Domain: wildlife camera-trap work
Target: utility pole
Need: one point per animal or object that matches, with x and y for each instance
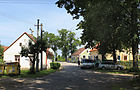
(37, 28)
(37, 62)
(41, 47)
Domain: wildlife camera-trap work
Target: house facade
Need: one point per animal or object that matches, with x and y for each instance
(80, 54)
(121, 56)
(12, 53)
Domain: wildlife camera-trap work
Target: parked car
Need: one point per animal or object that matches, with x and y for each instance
(110, 65)
(87, 63)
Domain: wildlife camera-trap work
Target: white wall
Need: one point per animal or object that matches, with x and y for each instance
(15, 49)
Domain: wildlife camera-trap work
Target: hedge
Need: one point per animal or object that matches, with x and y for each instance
(127, 64)
(55, 65)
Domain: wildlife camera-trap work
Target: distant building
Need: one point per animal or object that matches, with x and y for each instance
(12, 53)
(121, 56)
(79, 54)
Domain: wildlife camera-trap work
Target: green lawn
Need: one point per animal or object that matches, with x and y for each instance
(25, 74)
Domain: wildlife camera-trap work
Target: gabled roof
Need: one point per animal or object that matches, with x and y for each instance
(94, 49)
(48, 52)
(79, 51)
(19, 38)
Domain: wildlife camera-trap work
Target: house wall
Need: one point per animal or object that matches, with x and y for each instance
(123, 56)
(85, 53)
(9, 54)
(95, 53)
(15, 49)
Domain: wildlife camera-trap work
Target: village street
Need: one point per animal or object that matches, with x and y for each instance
(70, 78)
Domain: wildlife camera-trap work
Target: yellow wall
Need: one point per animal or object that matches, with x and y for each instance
(94, 54)
(108, 56)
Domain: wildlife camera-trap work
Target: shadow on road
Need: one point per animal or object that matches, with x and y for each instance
(70, 78)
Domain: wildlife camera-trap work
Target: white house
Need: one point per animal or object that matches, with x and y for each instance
(12, 53)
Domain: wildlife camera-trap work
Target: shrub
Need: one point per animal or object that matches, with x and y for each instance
(55, 65)
(1, 61)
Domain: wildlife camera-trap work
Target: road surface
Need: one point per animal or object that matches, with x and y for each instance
(70, 78)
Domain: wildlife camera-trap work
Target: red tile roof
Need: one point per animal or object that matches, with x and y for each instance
(5, 47)
(94, 49)
(19, 38)
(79, 51)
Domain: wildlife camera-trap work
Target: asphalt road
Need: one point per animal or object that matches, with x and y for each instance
(70, 78)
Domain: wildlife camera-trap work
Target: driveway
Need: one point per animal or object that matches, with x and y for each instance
(70, 78)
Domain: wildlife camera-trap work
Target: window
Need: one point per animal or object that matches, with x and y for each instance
(20, 44)
(84, 56)
(17, 58)
(119, 58)
(125, 57)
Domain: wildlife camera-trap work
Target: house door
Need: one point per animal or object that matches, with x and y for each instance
(17, 58)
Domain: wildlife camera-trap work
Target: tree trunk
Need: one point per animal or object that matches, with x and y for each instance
(114, 56)
(32, 70)
(135, 35)
(37, 63)
(135, 57)
(103, 57)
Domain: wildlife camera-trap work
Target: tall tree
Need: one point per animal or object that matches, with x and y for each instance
(63, 44)
(73, 42)
(111, 18)
(67, 42)
(51, 41)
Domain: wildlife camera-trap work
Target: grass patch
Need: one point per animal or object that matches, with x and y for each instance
(126, 71)
(26, 74)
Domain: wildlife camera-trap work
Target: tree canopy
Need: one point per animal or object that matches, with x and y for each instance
(113, 24)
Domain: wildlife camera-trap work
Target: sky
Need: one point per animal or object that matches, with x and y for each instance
(17, 16)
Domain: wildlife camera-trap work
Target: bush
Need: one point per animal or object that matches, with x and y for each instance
(55, 65)
(1, 61)
(127, 64)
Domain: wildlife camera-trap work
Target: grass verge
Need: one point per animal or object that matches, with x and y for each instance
(26, 74)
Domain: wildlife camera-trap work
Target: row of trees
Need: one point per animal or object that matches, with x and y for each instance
(65, 41)
(112, 24)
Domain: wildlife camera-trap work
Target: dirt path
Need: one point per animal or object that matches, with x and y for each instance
(70, 78)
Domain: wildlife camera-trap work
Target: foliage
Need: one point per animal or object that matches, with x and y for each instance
(32, 50)
(59, 58)
(127, 64)
(51, 41)
(113, 24)
(55, 65)
(68, 42)
(1, 60)
(1, 52)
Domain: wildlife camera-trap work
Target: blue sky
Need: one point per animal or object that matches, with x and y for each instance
(16, 17)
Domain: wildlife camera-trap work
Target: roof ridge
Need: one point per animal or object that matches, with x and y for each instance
(20, 37)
